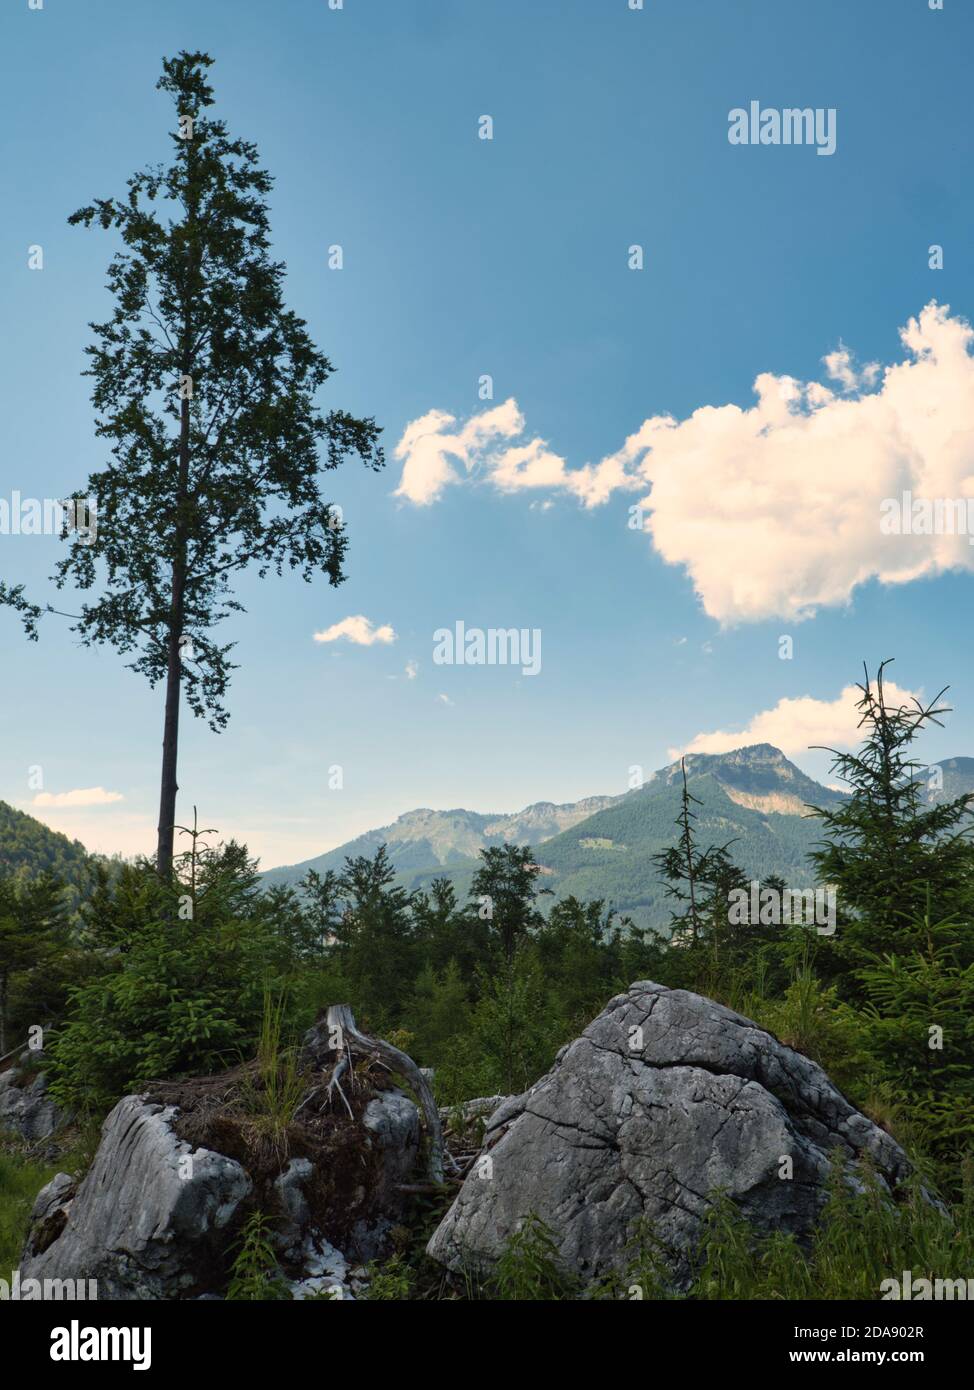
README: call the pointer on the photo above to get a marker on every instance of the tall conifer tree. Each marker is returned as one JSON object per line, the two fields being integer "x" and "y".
{"x": 205, "y": 385}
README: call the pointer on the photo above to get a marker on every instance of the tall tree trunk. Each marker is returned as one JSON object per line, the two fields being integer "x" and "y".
{"x": 170, "y": 748}
{"x": 170, "y": 735}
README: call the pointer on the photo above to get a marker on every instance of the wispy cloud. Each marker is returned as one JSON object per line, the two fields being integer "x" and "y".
{"x": 840, "y": 367}
{"x": 80, "y": 796}
{"x": 429, "y": 444}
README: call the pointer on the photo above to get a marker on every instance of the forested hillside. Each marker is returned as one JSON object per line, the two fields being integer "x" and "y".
{"x": 29, "y": 848}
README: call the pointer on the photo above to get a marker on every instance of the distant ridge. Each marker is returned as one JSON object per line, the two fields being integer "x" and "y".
{"x": 424, "y": 839}
{"x": 601, "y": 846}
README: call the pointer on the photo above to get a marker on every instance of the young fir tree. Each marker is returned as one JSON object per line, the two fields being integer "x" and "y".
{"x": 894, "y": 856}
{"x": 375, "y": 946}
{"x": 33, "y": 941}
{"x": 204, "y": 386}
{"x": 439, "y": 1013}
{"x": 512, "y": 1028}
{"x": 503, "y": 893}
{"x": 700, "y": 881}
{"x": 918, "y": 1022}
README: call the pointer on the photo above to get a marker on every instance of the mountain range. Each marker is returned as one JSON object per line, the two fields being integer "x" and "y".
{"x": 601, "y": 847}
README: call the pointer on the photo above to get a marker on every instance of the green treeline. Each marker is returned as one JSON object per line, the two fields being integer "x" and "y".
{"x": 151, "y": 979}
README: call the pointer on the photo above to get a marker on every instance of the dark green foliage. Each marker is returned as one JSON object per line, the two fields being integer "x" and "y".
{"x": 255, "y": 1275}
{"x": 440, "y": 1009}
{"x": 448, "y": 933}
{"x": 36, "y": 959}
{"x": 391, "y": 1281}
{"x": 529, "y": 1269}
{"x": 919, "y": 1026}
{"x": 374, "y": 939}
{"x": 581, "y": 950}
{"x": 504, "y": 889}
{"x": 893, "y": 854}
{"x": 182, "y": 981}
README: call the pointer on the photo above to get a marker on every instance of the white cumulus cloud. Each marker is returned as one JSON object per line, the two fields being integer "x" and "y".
{"x": 359, "y": 630}
{"x": 431, "y": 446}
{"x": 794, "y": 725}
{"x": 773, "y": 509}
{"x": 776, "y": 510}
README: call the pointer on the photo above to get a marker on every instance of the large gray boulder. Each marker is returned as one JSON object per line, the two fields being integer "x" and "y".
{"x": 146, "y": 1220}
{"x": 665, "y": 1098}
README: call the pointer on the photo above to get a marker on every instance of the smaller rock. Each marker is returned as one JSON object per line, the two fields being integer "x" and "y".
{"x": 289, "y": 1187}
{"x": 25, "y": 1106}
{"x": 50, "y": 1213}
{"x": 472, "y": 1109}
{"x": 393, "y": 1122}
{"x": 325, "y": 1268}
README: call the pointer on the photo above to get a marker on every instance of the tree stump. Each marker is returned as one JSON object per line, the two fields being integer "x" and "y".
{"x": 346, "y": 1043}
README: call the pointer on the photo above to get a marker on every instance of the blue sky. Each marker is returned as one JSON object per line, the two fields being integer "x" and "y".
{"x": 509, "y": 257}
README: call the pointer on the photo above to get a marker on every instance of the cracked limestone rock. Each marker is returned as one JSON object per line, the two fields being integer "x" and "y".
{"x": 148, "y": 1217}
{"x": 665, "y": 1097}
